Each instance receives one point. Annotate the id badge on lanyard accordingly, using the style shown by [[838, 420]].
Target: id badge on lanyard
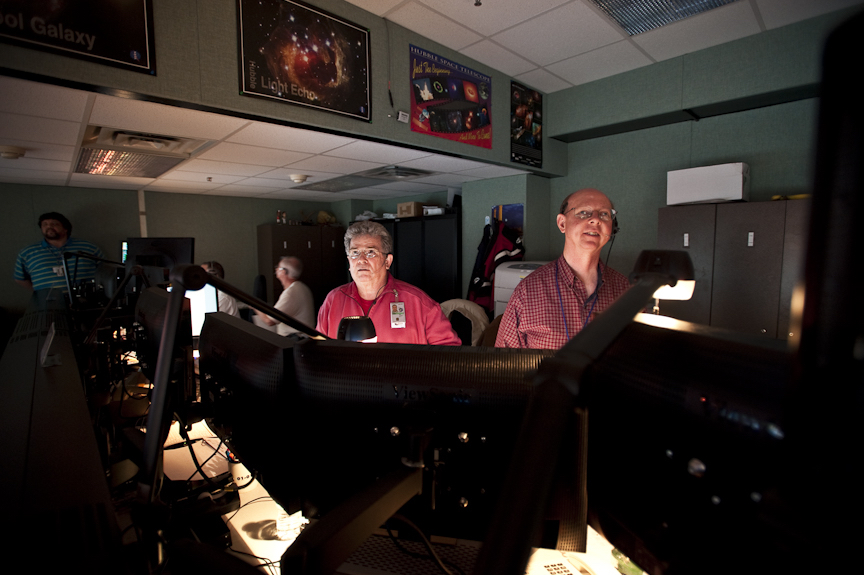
[[397, 314]]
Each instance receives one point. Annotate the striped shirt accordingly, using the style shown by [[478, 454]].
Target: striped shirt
[[551, 304], [38, 263]]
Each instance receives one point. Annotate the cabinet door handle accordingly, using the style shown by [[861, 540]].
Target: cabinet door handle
[[751, 236], [285, 245], [309, 244]]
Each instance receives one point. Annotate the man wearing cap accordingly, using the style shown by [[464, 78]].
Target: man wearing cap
[[40, 266]]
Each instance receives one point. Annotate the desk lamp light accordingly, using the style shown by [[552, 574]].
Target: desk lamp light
[[675, 264]]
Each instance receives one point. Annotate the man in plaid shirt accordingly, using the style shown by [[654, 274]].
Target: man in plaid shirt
[[556, 301]]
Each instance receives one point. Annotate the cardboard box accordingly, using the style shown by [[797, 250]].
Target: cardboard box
[[708, 184], [409, 209]]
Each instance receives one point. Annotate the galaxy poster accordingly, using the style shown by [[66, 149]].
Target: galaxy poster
[[106, 31], [449, 100], [297, 53], [526, 126]]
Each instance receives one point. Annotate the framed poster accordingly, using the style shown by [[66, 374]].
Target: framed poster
[[106, 31], [299, 54], [449, 100], [526, 125]]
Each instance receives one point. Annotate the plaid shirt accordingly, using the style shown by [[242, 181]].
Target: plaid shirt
[[534, 318]]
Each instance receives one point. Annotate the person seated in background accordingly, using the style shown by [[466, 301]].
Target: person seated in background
[[557, 300], [400, 312], [40, 265], [226, 302], [295, 299]]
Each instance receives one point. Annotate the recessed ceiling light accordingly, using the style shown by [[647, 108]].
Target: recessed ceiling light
[[118, 163]]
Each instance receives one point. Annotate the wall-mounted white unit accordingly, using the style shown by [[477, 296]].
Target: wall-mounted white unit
[[708, 184]]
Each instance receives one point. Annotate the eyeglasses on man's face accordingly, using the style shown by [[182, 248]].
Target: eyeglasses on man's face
[[603, 215], [368, 253], [283, 269]]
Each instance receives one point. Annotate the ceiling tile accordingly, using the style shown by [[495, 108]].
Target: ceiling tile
[[153, 118], [242, 188], [432, 25], [600, 63], [492, 172], [541, 79], [33, 129], [442, 164], [229, 168], [287, 138], [179, 186], [447, 180], [39, 165], [238, 153], [377, 7], [332, 165], [575, 27], [31, 177], [491, 17], [35, 99], [108, 182], [376, 152], [283, 175], [214, 180], [498, 57], [724, 24], [42, 150]]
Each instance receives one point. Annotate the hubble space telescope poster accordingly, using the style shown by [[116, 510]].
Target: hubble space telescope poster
[[450, 100], [296, 53]]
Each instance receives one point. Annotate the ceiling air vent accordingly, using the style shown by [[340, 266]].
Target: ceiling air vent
[[110, 152], [369, 178], [394, 173]]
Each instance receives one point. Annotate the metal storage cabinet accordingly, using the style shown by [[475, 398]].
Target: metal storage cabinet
[[305, 242], [691, 229], [428, 253], [747, 258]]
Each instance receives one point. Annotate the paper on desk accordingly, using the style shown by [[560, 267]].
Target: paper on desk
[[177, 462]]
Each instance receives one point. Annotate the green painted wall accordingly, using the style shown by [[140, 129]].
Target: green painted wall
[[478, 199], [100, 216], [777, 142], [783, 59]]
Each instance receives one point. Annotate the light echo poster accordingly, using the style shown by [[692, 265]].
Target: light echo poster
[[296, 53], [449, 100]]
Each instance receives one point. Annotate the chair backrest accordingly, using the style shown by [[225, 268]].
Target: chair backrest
[[470, 311]]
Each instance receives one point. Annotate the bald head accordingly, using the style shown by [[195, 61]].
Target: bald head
[[571, 200]]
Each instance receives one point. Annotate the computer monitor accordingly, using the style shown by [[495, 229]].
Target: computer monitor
[[686, 441], [321, 420]]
